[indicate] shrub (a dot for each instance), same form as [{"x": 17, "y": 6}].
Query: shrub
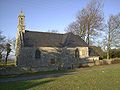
[{"x": 116, "y": 60}]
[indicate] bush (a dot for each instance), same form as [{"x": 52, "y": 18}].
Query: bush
[
  {"x": 116, "y": 60},
  {"x": 115, "y": 53}
]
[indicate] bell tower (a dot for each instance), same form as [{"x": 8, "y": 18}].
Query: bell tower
[
  {"x": 21, "y": 22},
  {"x": 20, "y": 37}
]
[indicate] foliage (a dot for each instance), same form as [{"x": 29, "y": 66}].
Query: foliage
[
  {"x": 115, "y": 53},
  {"x": 106, "y": 77}
]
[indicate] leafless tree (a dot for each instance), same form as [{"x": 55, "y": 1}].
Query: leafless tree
[
  {"x": 74, "y": 28},
  {"x": 12, "y": 43},
  {"x": 113, "y": 32},
  {"x": 89, "y": 21},
  {"x": 8, "y": 50},
  {"x": 53, "y": 31},
  {"x": 2, "y": 40}
]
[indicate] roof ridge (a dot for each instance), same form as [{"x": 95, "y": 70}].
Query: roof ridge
[{"x": 44, "y": 32}]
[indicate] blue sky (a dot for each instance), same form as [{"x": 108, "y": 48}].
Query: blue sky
[{"x": 44, "y": 15}]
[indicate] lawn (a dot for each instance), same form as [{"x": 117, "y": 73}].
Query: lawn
[
  {"x": 9, "y": 63},
  {"x": 106, "y": 77}
]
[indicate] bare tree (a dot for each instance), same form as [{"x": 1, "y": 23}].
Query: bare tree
[
  {"x": 89, "y": 21},
  {"x": 53, "y": 31},
  {"x": 12, "y": 43},
  {"x": 2, "y": 37},
  {"x": 2, "y": 40},
  {"x": 8, "y": 50},
  {"x": 74, "y": 28},
  {"x": 113, "y": 33},
  {"x": 104, "y": 43}
]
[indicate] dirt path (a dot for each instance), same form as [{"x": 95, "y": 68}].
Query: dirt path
[{"x": 20, "y": 78}]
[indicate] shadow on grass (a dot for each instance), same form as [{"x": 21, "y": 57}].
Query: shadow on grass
[
  {"x": 37, "y": 75},
  {"x": 23, "y": 85}
]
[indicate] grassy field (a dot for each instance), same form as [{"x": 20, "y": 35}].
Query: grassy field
[
  {"x": 9, "y": 63},
  {"x": 106, "y": 77}
]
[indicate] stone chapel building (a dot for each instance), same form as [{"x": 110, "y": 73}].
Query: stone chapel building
[{"x": 49, "y": 51}]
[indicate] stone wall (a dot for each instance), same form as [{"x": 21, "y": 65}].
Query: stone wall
[
  {"x": 105, "y": 61},
  {"x": 93, "y": 58},
  {"x": 64, "y": 58}
]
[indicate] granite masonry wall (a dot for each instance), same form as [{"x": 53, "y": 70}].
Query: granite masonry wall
[{"x": 51, "y": 58}]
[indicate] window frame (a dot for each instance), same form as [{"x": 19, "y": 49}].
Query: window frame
[
  {"x": 52, "y": 61},
  {"x": 37, "y": 54},
  {"x": 77, "y": 53}
]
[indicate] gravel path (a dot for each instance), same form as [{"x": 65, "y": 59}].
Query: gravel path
[{"x": 20, "y": 78}]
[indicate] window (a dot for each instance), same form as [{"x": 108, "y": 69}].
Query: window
[
  {"x": 37, "y": 54},
  {"x": 77, "y": 53},
  {"x": 52, "y": 61},
  {"x": 22, "y": 21},
  {"x": 83, "y": 52}
]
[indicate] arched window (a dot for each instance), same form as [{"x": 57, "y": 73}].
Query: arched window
[
  {"x": 37, "y": 54},
  {"x": 21, "y": 21},
  {"x": 77, "y": 53},
  {"x": 52, "y": 61}
]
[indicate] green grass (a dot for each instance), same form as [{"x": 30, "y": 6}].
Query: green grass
[
  {"x": 49, "y": 72},
  {"x": 37, "y": 73},
  {"x": 9, "y": 63},
  {"x": 106, "y": 77}
]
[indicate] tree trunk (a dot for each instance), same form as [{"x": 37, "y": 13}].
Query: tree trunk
[
  {"x": 6, "y": 58},
  {"x": 88, "y": 37},
  {"x": 108, "y": 46}
]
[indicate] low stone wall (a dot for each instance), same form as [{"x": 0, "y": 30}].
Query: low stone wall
[
  {"x": 107, "y": 62},
  {"x": 90, "y": 63},
  {"x": 116, "y": 60}
]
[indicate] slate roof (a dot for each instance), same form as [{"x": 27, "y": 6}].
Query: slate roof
[
  {"x": 95, "y": 51},
  {"x": 46, "y": 39},
  {"x": 92, "y": 52}
]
